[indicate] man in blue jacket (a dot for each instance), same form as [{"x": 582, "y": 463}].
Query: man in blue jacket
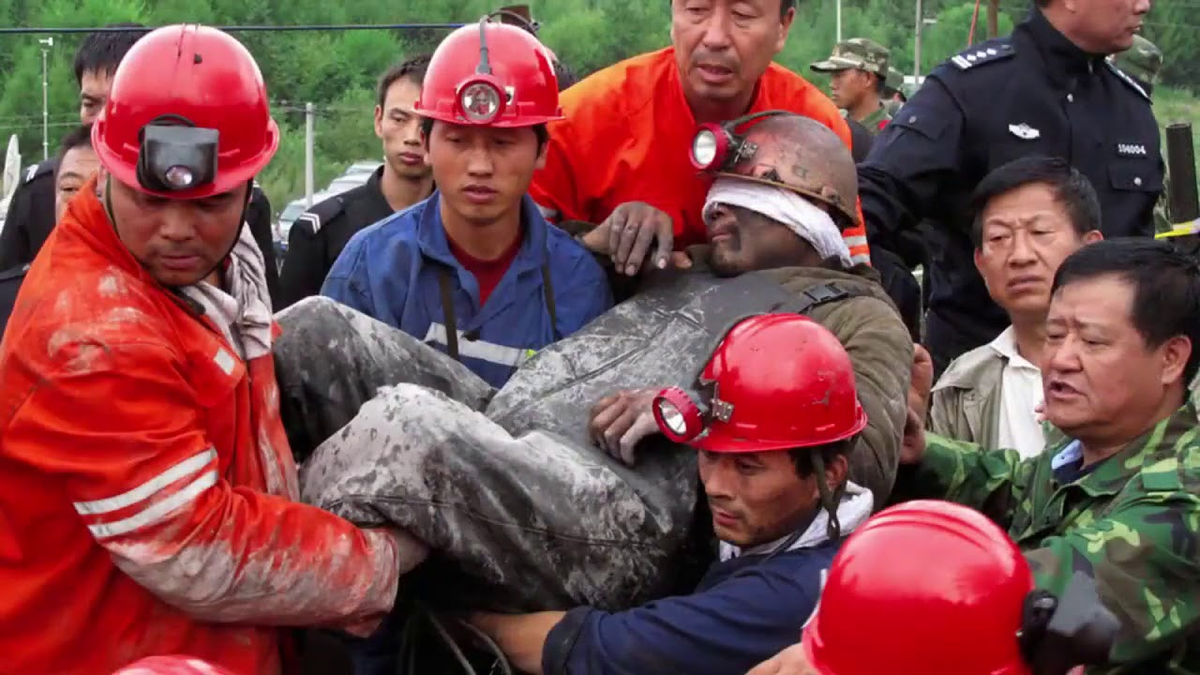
[
  {"x": 475, "y": 270},
  {"x": 773, "y": 415}
]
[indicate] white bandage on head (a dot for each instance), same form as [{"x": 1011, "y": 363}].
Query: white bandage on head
[{"x": 801, "y": 216}]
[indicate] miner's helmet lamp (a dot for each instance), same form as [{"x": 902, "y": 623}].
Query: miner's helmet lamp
[
  {"x": 490, "y": 74},
  {"x": 176, "y": 156}
]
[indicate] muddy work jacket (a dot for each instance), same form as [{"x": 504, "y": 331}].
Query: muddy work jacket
[{"x": 146, "y": 486}]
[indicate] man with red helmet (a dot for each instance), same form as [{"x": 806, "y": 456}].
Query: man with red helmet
[
  {"x": 619, "y": 158},
  {"x": 476, "y": 270},
  {"x": 146, "y": 486},
  {"x": 508, "y": 485},
  {"x": 773, "y": 465},
  {"x": 783, "y": 191},
  {"x": 881, "y": 608}
]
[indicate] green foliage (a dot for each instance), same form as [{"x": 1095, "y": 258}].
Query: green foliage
[{"x": 337, "y": 71}]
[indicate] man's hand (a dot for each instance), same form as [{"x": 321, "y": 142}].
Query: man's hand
[
  {"x": 620, "y": 421},
  {"x": 626, "y": 236},
  {"x": 913, "y": 447},
  {"x": 790, "y": 661}
]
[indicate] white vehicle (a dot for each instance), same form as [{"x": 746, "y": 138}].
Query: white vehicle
[
  {"x": 362, "y": 167},
  {"x": 344, "y": 183}
]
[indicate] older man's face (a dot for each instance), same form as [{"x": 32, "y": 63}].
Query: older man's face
[
  {"x": 1027, "y": 233},
  {"x": 1101, "y": 378},
  {"x": 722, "y": 47}
]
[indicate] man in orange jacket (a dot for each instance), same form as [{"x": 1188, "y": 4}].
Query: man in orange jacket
[
  {"x": 620, "y": 156},
  {"x": 147, "y": 492}
]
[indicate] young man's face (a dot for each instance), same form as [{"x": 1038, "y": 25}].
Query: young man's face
[
  {"x": 179, "y": 242},
  {"x": 757, "y": 497},
  {"x": 848, "y": 87},
  {"x": 93, "y": 92},
  {"x": 483, "y": 173},
  {"x": 400, "y": 130},
  {"x": 1027, "y": 233},
  {"x": 77, "y": 166}
]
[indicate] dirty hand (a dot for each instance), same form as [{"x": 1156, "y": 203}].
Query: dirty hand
[
  {"x": 790, "y": 661},
  {"x": 627, "y": 234},
  {"x": 620, "y": 421},
  {"x": 913, "y": 446}
]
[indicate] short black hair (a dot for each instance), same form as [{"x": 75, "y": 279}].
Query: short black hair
[
  {"x": 79, "y": 137},
  {"x": 412, "y": 69},
  {"x": 101, "y": 52},
  {"x": 1071, "y": 189},
  {"x": 1166, "y": 287},
  {"x": 803, "y": 457},
  {"x": 543, "y": 135},
  {"x": 565, "y": 76}
]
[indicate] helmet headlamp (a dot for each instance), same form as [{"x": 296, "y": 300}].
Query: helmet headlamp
[
  {"x": 176, "y": 156},
  {"x": 709, "y": 147}
]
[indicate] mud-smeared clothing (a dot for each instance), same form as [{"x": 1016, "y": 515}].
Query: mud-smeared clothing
[
  {"x": 146, "y": 486},
  {"x": 508, "y": 484}
]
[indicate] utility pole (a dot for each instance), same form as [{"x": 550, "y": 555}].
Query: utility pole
[
  {"x": 839, "y": 20},
  {"x": 46, "y": 43},
  {"x": 308, "y": 154},
  {"x": 917, "y": 44},
  {"x": 993, "y": 18}
]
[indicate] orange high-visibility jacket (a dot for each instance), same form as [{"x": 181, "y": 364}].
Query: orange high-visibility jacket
[
  {"x": 146, "y": 483},
  {"x": 627, "y": 135}
]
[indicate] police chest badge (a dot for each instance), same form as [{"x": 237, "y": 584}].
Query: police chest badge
[
  {"x": 1131, "y": 150},
  {"x": 1024, "y": 131}
]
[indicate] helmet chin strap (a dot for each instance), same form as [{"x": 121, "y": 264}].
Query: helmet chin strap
[{"x": 112, "y": 218}]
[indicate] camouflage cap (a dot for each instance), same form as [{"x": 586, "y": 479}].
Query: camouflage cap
[
  {"x": 859, "y": 53},
  {"x": 1142, "y": 61},
  {"x": 894, "y": 80}
]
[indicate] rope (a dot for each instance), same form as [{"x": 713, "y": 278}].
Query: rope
[
  {"x": 412, "y": 640},
  {"x": 974, "y": 22}
]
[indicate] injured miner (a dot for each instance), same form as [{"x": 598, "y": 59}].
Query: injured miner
[
  {"x": 508, "y": 487},
  {"x": 781, "y": 417}
]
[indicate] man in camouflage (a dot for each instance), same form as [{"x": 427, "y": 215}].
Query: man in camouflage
[
  {"x": 1142, "y": 62},
  {"x": 858, "y": 70},
  {"x": 1118, "y": 498}
]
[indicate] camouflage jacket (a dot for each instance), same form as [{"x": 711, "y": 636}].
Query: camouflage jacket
[
  {"x": 1132, "y": 523},
  {"x": 876, "y": 120}
]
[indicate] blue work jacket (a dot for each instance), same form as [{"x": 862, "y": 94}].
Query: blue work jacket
[{"x": 395, "y": 271}]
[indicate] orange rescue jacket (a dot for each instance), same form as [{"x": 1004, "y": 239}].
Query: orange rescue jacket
[
  {"x": 146, "y": 484},
  {"x": 627, "y": 135}
]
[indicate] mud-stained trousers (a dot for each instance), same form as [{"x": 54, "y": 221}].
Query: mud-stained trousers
[{"x": 542, "y": 520}]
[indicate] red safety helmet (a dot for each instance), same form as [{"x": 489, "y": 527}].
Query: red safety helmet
[
  {"x": 188, "y": 115},
  {"x": 172, "y": 665},
  {"x": 490, "y": 74},
  {"x": 923, "y": 588},
  {"x": 775, "y": 382}
]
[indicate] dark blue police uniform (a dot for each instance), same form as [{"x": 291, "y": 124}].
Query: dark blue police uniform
[{"x": 1031, "y": 93}]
